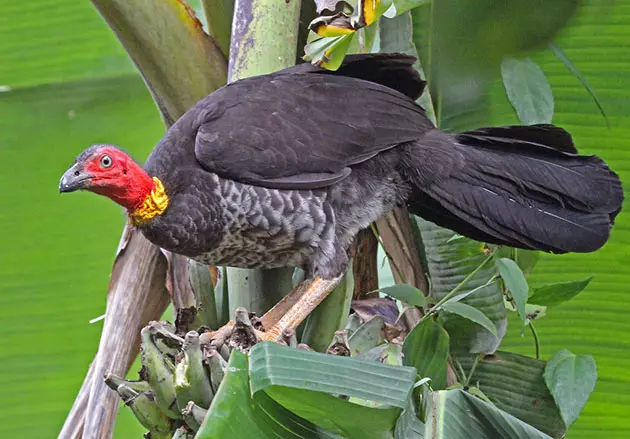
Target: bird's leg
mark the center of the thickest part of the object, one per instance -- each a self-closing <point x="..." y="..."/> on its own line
<point x="313" y="294"/>
<point x="272" y="316"/>
<point x="286" y="315"/>
<point x="269" y="319"/>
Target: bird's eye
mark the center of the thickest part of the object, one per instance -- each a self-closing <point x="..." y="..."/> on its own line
<point x="106" y="161"/>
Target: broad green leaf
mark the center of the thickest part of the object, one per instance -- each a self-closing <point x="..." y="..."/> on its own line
<point x="516" y="284"/>
<point x="337" y="415"/>
<point x="366" y="337"/>
<point x="455" y="414"/>
<point x="426" y="348"/>
<point x="274" y="365"/>
<point x="470" y="313"/>
<point x="571" y="379"/>
<point x="406" y="293"/>
<point x="515" y="384"/>
<point x="408" y="425"/>
<point x="557" y="293"/>
<point x="305" y="382"/>
<point x="447" y="265"/>
<point x="528" y="90"/>
<point x="234" y="413"/>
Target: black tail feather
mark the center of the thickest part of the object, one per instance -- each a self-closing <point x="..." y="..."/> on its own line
<point x="519" y="186"/>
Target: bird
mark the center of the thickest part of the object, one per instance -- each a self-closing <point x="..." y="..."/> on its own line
<point x="284" y="169"/>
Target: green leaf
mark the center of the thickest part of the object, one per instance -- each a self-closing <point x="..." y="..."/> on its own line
<point x="571" y="379"/>
<point x="470" y="313"/>
<point x="557" y="293"/>
<point x="400" y="6"/>
<point x="406" y="293"/>
<point x="528" y="90"/>
<point x="337" y="415"/>
<point x="305" y="382"/>
<point x="408" y="425"/>
<point x="526" y="259"/>
<point x="328" y="52"/>
<point x="573" y="69"/>
<point x="426" y="348"/>
<point x="447" y="265"/>
<point x="515" y="384"/>
<point x="234" y="413"/>
<point x="274" y="365"/>
<point x="516" y="283"/>
<point x="366" y="337"/>
<point x="455" y="414"/>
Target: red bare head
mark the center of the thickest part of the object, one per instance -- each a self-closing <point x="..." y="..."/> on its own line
<point x="107" y="170"/>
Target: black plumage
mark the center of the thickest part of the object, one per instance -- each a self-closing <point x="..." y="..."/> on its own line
<point x="284" y="170"/>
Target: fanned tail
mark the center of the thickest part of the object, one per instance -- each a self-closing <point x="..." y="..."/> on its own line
<point x="522" y="186"/>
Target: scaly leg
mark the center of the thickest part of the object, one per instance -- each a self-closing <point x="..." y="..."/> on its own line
<point x="269" y="319"/>
<point x="314" y="293"/>
<point x="286" y="314"/>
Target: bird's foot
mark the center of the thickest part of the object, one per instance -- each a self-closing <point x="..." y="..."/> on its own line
<point x="279" y="323"/>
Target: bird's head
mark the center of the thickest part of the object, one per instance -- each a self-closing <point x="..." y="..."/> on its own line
<point x="107" y="170"/>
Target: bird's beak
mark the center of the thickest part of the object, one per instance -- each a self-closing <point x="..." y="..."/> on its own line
<point x="74" y="179"/>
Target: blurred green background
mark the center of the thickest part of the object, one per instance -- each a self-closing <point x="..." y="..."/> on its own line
<point x="66" y="83"/>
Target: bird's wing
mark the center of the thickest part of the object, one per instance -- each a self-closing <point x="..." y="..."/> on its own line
<point x="393" y="70"/>
<point x="302" y="130"/>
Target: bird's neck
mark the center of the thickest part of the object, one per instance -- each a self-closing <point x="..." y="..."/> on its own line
<point x="153" y="203"/>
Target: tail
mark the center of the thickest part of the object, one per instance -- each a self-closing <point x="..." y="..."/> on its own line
<point x="521" y="186"/>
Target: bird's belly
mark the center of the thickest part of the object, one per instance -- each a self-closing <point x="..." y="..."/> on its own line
<point x="268" y="228"/>
<point x="244" y="250"/>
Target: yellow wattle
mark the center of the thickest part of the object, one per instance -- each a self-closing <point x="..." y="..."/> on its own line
<point x="154" y="204"/>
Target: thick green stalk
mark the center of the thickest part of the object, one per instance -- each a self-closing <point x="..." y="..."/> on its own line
<point x="219" y="15"/>
<point x="255" y="49"/>
<point x="264" y="37"/>
<point x="203" y="288"/>
<point x="330" y="315"/>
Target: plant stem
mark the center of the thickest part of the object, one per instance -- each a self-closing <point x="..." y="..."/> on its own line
<point x="256" y="49"/>
<point x="472" y="370"/>
<point x="461" y="285"/>
<point x="461" y="374"/>
<point x="536" y="339"/>
<point x="389" y="257"/>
